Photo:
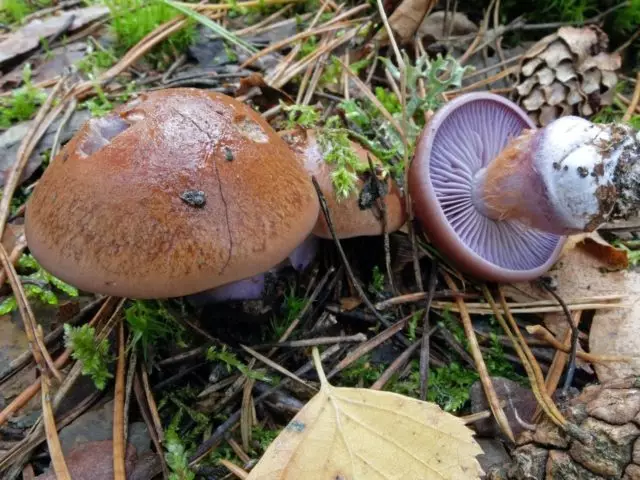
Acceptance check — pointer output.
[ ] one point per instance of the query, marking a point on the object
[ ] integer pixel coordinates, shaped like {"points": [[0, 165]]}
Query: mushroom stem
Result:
{"points": [[568, 177]]}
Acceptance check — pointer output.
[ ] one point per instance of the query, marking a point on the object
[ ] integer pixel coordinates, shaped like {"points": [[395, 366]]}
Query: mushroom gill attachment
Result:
{"points": [[356, 215], [176, 192], [453, 153]]}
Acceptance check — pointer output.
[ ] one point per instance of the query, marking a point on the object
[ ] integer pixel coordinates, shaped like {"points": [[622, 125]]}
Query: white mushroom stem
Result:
{"points": [[568, 177]]}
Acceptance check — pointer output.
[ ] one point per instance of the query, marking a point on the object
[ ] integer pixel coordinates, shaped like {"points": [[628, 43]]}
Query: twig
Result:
{"points": [[24, 151], [371, 97], [395, 366], [545, 335], [233, 468], [53, 441], [305, 309], [55, 147], [246, 414], [151, 402], [382, 206], [358, 337], [528, 359], [369, 345], [419, 296], [634, 101], [119, 447], [392, 39], [221, 430], [146, 416], [276, 367], [481, 367], [574, 337], [424, 349], [345, 261]]}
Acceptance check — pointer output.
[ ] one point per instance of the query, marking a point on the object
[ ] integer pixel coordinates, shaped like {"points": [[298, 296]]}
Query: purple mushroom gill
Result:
{"points": [[459, 143], [252, 288]]}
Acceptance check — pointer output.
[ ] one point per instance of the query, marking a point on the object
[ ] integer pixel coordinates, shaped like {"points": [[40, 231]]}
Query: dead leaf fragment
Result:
{"points": [[406, 19], [437, 27], [353, 434], [584, 270]]}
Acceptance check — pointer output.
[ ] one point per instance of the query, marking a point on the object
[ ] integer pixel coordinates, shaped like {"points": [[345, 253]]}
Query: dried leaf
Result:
{"points": [[584, 269], [436, 28], [617, 332], [269, 96], [350, 303], [406, 18], [353, 433]]}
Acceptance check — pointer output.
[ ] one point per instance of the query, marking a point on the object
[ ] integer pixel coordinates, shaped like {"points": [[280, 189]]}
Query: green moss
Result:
{"points": [[23, 102], [38, 285], [151, 323], [92, 354], [134, 19]]}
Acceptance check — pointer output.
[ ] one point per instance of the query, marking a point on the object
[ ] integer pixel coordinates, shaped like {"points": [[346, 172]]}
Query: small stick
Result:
{"points": [[418, 296], [53, 441], [233, 468], [304, 310], [544, 334], [357, 338], [424, 349], [151, 402], [382, 206], [343, 256], [366, 347], [66, 116], [396, 365], [392, 38], [277, 367], [574, 338], [153, 433], [119, 469], [538, 380], [489, 391], [221, 430]]}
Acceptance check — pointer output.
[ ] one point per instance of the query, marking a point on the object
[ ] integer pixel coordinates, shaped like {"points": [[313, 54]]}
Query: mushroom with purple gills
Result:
{"points": [[176, 192], [498, 197], [357, 215]]}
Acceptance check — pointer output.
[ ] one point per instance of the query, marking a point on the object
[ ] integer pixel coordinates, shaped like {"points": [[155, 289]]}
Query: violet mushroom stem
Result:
{"points": [[253, 288], [565, 178]]}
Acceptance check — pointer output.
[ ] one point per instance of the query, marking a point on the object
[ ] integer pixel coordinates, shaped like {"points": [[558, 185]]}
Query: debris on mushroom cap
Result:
{"points": [[357, 215], [455, 148], [146, 202]]}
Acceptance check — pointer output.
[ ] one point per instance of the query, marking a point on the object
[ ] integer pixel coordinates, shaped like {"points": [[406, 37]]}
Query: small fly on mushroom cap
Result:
{"points": [[498, 196], [355, 216], [174, 193]]}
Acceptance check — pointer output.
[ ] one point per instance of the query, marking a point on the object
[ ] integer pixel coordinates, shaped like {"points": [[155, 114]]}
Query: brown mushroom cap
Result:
{"points": [[349, 220], [177, 192]]}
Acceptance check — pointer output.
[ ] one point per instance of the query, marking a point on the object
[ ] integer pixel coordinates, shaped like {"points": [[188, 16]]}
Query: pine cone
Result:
{"points": [[569, 72], [610, 416]]}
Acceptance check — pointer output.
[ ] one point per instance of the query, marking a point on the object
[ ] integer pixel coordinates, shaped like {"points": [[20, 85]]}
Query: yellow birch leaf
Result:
{"points": [[362, 434]]}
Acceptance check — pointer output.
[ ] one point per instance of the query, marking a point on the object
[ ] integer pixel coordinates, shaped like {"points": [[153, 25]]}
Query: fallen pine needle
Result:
{"points": [[119, 470], [481, 367]]}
